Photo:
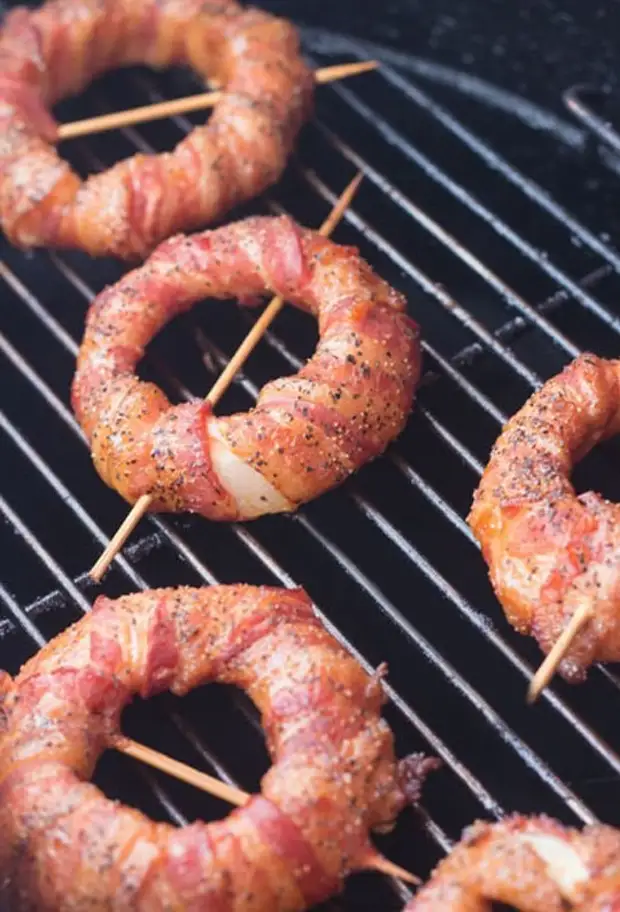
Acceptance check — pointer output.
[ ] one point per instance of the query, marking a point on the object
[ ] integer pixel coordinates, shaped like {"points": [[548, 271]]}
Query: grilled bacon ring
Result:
{"points": [[549, 550], [533, 864], [307, 433], [65, 846], [59, 48]]}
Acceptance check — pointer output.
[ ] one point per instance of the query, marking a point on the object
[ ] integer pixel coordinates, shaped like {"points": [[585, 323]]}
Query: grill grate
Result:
{"points": [[388, 557], [583, 101]]}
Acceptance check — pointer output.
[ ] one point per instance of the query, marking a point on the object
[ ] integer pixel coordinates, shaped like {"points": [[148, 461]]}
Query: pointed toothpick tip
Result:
{"points": [[344, 70], [100, 567], [351, 190], [341, 205], [557, 654], [374, 861]]}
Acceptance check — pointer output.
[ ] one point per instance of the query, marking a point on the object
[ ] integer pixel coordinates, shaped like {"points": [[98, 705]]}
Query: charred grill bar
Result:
{"points": [[509, 279]]}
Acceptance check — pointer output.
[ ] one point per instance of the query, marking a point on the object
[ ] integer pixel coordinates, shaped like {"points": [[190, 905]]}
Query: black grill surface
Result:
{"points": [[499, 220]]}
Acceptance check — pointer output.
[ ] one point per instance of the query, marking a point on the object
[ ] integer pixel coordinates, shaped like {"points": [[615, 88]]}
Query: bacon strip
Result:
{"points": [[307, 433], [550, 550], [535, 865], [66, 846], [56, 50]]}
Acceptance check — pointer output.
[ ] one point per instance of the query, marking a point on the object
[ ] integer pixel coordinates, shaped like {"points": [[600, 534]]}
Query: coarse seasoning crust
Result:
{"points": [[54, 51], [549, 550], [531, 864], [307, 433], [65, 847]]}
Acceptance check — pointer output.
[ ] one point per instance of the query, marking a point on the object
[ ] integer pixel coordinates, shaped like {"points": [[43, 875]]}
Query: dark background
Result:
{"points": [[535, 48]]}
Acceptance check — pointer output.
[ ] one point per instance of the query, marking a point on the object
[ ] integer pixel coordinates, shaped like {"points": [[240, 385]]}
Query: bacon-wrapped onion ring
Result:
{"points": [[56, 50], [307, 433], [65, 846], [532, 864], [549, 550]]}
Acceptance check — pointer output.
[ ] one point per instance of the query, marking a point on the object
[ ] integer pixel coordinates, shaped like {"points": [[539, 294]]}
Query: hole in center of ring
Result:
{"points": [[598, 471], [234, 748], [121, 90], [190, 354]]}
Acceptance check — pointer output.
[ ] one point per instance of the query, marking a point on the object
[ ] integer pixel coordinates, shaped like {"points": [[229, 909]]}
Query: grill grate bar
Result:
{"points": [[55, 570], [66, 496], [495, 161], [21, 617], [517, 325], [453, 442], [456, 247], [577, 99], [457, 190], [50, 322], [450, 370], [55, 598]]}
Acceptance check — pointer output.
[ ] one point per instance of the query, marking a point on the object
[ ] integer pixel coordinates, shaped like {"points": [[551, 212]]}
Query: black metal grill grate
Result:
{"points": [[476, 204]]}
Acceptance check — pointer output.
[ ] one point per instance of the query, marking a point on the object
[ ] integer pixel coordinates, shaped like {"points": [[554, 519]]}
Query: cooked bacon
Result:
{"points": [[532, 864], [334, 778], [307, 433], [56, 50], [549, 550]]}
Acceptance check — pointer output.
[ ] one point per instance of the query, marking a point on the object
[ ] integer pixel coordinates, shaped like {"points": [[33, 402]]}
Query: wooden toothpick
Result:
{"points": [[553, 660], [190, 103], [221, 385], [373, 860], [180, 771]]}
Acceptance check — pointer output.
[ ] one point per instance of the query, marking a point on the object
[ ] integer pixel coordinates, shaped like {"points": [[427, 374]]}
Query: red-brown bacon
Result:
{"points": [[549, 550], [307, 433], [535, 865], [65, 846], [54, 51]]}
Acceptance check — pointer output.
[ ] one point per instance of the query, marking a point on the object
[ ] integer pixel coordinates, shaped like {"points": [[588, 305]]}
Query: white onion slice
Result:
{"points": [[564, 865], [255, 496]]}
